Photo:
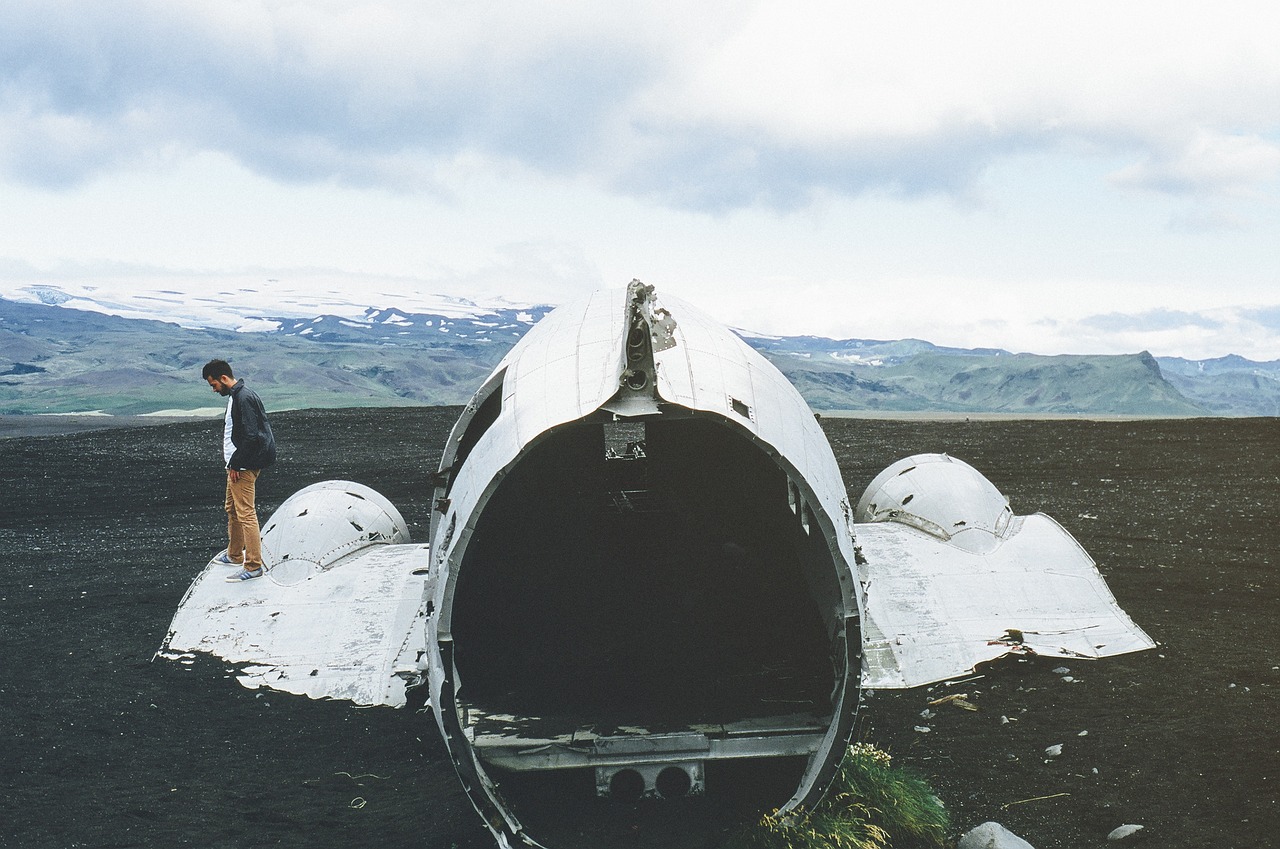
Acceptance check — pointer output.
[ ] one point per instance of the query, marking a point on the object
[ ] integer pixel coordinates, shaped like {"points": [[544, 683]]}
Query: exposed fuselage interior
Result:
{"points": [[645, 577]]}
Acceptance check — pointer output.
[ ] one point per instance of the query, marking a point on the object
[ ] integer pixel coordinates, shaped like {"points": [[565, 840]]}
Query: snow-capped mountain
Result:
{"points": [[273, 305], [394, 345], [393, 325]]}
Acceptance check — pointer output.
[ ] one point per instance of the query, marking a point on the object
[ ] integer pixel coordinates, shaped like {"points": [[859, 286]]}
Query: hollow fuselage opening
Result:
{"points": [[645, 578], [673, 584]]}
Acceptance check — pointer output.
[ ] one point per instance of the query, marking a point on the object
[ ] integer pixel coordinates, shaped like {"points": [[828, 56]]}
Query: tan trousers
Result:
{"points": [[242, 520]]}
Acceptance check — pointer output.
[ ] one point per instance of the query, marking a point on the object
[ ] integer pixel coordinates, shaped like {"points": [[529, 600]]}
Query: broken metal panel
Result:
{"points": [[933, 610], [340, 633], [951, 578], [524, 744]]}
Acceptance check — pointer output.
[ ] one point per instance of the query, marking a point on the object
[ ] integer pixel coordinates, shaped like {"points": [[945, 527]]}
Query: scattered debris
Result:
{"points": [[991, 835], [960, 700], [1008, 805], [356, 778], [1124, 831]]}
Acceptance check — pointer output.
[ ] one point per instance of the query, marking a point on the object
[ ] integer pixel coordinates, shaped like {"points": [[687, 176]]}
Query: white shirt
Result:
{"points": [[228, 447]]}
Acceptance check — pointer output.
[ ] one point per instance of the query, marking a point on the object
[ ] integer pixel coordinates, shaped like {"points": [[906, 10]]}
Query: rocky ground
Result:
{"points": [[102, 746]]}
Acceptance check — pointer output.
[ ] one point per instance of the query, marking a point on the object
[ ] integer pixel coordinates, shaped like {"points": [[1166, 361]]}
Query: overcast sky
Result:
{"points": [[1048, 177]]}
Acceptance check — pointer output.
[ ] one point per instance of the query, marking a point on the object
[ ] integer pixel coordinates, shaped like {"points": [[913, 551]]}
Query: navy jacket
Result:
{"points": [[250, 431]]}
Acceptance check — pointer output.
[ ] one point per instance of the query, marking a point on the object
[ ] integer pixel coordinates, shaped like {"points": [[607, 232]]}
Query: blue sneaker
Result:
{"points": [[224, 559], [245, 575]]}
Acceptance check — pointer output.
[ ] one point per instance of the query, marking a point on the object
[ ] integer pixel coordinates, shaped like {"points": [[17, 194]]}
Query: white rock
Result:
{"points": [[923, 729], [991, 835], [1068, 679], [1053, 751], [1061, 670], [1083, 734], [1124, 831]]}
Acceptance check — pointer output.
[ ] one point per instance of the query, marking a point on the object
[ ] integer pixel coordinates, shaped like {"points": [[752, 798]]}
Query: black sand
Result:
{"points": [[100, 746]]}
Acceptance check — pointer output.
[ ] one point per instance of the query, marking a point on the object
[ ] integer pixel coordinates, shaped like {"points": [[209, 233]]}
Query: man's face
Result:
{"points": [[220, 384]]}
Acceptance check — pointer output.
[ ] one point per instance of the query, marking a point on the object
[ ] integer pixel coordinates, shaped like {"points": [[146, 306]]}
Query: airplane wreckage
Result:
{"points": [[644, 567]]}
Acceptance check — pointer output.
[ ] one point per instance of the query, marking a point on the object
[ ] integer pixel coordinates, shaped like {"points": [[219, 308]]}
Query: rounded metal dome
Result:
{"points": [[322, 523], [941, 496]]}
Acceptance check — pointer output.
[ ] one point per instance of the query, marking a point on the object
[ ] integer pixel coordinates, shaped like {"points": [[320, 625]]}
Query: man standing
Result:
{"points": [[248, 447]]}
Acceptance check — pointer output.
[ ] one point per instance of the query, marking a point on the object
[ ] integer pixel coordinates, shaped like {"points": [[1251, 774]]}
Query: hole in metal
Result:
{"points": [[637, 379], [627, 785], [636, 342], [673, 782]]}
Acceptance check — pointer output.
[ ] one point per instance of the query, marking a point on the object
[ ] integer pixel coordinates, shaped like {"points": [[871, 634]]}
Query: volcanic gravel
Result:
{"points": [[101, 745]]}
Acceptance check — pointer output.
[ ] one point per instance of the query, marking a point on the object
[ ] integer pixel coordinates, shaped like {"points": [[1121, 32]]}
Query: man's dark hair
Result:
{"points": [[216, 369]]}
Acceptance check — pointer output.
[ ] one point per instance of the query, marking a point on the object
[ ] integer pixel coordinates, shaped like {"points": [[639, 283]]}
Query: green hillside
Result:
{"points": [[55, 360], [998, 383], [58, 360]]}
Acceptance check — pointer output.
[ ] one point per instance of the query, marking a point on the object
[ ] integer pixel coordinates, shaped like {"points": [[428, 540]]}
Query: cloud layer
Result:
{"points": [[738, 104]]}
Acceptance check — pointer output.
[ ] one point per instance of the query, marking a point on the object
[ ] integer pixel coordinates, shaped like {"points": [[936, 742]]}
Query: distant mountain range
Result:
{"points": [[58, 359]]}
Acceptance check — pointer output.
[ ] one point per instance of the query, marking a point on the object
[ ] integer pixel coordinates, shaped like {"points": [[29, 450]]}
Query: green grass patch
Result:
{"points": [[871, 805]]}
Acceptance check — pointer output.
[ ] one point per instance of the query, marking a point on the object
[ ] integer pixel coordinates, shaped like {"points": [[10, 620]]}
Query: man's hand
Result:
{"points": [[234, 475]]}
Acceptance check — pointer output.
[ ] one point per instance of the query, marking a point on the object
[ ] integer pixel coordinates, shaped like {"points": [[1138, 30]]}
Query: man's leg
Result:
{"points": [[235, 533], [242, 493]]}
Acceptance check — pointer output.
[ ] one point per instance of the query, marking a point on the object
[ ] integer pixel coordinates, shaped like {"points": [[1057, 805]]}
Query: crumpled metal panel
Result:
{"points": [[951, 580]]}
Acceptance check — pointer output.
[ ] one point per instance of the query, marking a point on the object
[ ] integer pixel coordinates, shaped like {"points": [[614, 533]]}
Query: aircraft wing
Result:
{"points": [[944, 592], [339, 618]]}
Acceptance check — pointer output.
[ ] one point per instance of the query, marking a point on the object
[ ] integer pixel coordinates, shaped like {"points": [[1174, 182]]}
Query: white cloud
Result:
{"points": [[736, 104], [1207, 163]]}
